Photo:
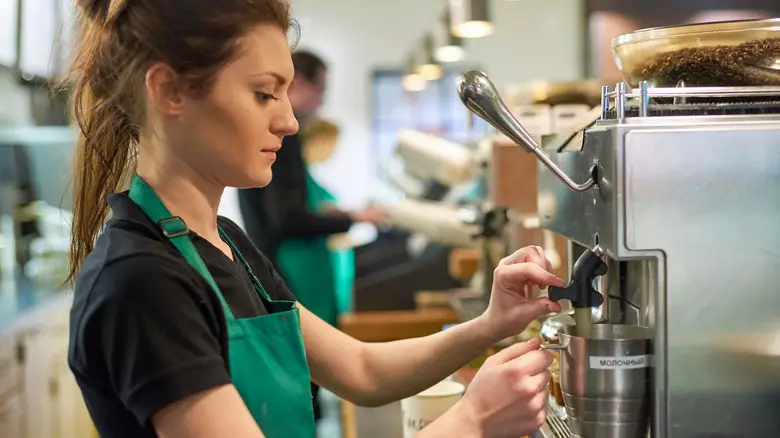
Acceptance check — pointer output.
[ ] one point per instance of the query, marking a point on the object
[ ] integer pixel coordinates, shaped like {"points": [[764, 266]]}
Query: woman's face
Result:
{"points": [[231, 135]]}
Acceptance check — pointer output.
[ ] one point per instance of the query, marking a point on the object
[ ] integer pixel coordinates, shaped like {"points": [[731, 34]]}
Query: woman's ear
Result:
{"points": [[164, 90]]}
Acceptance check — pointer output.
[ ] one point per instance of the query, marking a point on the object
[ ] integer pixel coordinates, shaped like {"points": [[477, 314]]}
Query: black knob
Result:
{"points": [[580, 290]]}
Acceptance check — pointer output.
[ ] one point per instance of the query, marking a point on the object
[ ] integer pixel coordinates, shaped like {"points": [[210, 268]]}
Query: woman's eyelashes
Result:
{"points": [[265, 97]]}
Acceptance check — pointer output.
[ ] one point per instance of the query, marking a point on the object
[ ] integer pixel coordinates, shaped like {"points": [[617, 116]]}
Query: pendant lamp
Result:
{"points": [[427, 66], [470, 18], [412, 80], [448, 47]]}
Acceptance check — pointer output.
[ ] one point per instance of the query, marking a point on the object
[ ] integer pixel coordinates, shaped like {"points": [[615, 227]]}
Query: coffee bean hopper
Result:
{"points": [[671, 203]]}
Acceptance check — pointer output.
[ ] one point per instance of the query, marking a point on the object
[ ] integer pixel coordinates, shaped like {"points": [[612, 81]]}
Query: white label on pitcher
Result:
{"points": [[620, 362]]}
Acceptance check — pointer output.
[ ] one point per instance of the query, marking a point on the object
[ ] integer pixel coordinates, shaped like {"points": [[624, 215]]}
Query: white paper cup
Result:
{"points": [[422, 409]]}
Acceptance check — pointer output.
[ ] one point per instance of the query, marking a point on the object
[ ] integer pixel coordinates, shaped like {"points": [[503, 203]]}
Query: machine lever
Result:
{"points": [[580, 290], [481, 97]]}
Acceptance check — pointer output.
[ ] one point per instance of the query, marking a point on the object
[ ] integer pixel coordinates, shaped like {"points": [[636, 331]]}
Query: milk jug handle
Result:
{"points": [[564, 344]]}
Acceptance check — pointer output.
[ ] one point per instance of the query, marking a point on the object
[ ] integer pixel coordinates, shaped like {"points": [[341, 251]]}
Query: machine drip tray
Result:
{"points": [[556, 426]]}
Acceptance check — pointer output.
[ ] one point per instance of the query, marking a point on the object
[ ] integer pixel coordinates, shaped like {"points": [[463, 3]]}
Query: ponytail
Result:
{"points": [[105, 152], [120, 40]]}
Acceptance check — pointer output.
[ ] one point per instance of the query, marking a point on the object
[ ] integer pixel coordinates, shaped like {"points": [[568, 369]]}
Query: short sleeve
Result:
{"points": [[154, 333]]}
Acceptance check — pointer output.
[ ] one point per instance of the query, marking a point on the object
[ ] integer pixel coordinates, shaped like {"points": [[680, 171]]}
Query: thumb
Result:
{"points": [[516, 350]]}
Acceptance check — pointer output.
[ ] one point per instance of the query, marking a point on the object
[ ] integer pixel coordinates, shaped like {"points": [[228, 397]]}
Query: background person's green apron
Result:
{"points": [[267, 357], [320, 278]]}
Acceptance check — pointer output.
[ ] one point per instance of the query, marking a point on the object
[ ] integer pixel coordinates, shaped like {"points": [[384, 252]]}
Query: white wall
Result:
{"points": [[14, 100], [533, 40]]}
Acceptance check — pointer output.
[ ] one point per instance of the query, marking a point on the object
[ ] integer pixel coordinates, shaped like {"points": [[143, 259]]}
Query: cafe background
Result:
{"points": [[366, 49]]}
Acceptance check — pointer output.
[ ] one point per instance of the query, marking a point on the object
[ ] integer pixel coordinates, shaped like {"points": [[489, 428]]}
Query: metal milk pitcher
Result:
{"points": [[605, 379]]}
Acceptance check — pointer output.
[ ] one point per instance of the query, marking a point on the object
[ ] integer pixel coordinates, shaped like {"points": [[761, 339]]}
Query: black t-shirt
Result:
{"points": [[146, 329]]}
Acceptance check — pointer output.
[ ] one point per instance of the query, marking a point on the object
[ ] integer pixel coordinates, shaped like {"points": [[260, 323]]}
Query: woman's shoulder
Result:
{"points": [[142, 321], [133, 272], [132, 268]]}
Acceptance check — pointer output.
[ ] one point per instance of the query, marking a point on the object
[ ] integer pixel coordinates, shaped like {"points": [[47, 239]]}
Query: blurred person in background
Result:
{"points": [[279, 211], [319, 142], [292, 218], [179, 326]]}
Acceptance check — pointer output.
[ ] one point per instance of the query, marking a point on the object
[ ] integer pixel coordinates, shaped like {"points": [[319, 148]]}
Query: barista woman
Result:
{"points": [[180, 327]]}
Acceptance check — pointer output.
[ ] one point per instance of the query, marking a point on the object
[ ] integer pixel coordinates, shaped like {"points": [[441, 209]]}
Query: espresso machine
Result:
{"points": [[671, 203]]}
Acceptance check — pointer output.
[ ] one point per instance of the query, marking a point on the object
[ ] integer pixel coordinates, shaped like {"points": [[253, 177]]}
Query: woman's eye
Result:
{"points": [[265, 97]]}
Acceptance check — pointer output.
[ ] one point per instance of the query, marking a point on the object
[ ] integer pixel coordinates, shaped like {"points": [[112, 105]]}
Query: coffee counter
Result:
{"points": [[39, 397]]}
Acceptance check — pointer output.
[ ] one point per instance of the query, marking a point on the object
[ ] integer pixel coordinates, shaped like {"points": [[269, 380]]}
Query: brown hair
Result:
{"points": [[120, 41], [319, 140], [308, 65]]}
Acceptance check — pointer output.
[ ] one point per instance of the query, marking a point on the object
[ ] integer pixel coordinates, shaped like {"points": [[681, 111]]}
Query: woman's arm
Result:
{"points": [[373, 374], [215, 413], [458, 421]]}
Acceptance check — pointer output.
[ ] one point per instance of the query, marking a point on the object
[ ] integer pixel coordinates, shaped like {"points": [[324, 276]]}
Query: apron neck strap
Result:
{"points": [[174, 228]]}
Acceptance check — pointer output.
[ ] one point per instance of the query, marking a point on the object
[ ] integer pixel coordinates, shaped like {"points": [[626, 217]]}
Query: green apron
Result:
{"points": [[267, 357], [320, 278]]}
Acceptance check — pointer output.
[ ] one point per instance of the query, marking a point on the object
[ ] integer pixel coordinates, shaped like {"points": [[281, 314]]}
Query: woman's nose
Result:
{"points": [[286, 123]]}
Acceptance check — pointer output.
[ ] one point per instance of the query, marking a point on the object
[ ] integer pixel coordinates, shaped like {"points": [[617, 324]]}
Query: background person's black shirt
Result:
{"points": [[146, 329], [278, 211]]}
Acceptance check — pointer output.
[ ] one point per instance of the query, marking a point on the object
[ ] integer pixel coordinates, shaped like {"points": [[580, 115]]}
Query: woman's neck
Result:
{"points": [[185, 192]]}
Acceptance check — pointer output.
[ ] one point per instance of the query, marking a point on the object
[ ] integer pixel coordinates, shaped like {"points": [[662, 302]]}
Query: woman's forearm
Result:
{"points": [[459, 421], [403, 368]]}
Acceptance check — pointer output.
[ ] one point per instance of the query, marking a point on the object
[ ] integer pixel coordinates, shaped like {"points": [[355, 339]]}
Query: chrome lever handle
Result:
{"points": [[480, 97]]}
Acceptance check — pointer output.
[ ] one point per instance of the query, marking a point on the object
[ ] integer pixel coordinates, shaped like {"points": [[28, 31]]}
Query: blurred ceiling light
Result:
{"points": [[413, 81], [470, 18], [427, 66], [449, 48]]}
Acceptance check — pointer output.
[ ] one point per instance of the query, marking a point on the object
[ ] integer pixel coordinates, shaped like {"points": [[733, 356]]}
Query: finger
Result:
{"points": [[538, 307], [534, 404], [536, 256], [521, 273], [526, 254], [534, 363], [539, 251], [516, 350], [545, 261], [544, 380], [542, 261], [539, 402], [528, 291], [546, 305], [541, 418]]}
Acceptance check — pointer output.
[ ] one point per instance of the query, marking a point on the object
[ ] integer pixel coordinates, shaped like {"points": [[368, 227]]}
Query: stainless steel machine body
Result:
{"points": [[688, 207], [684, 201]]}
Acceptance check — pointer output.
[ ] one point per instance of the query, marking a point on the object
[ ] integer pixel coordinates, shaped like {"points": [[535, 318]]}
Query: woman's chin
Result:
{"points": [[263, 178], [255, 179]]}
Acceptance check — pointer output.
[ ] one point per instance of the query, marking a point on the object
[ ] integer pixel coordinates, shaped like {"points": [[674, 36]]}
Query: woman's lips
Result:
{"points": [[271, 152]]}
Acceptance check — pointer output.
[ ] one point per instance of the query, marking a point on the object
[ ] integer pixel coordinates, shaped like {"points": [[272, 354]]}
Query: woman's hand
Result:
{"points": [[508, 396], [511, 307], [371, 214]]}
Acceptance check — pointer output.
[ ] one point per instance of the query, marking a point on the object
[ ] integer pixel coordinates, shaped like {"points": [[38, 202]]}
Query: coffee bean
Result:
{"points": [[746, 64]]}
